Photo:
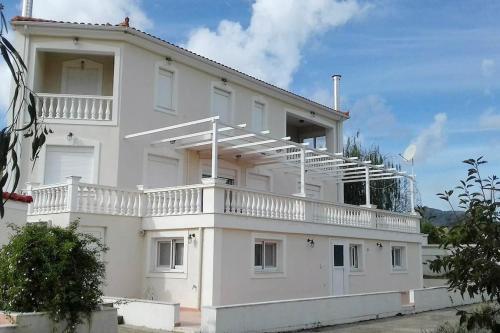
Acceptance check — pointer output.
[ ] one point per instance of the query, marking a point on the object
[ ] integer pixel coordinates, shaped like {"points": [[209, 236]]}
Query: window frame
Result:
{"points": [[164, 66], [279, 271], [402, 268], [359, 257], [264, 267], [172, 266]]}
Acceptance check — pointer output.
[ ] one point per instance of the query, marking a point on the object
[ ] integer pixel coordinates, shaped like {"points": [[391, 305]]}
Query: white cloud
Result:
{"points": [[270, 47], [489, 119], [93, 11], [488, 67], [431, 139], [373, 117]]}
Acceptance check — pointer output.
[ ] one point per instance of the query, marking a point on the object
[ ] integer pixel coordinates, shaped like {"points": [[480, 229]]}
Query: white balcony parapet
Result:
{"points": [[210, 198], [74, 107], [180, 200]]}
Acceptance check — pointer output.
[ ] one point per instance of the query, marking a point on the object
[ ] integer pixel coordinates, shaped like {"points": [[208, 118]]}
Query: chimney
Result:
{"points": [[336, 92], [27, 8]]}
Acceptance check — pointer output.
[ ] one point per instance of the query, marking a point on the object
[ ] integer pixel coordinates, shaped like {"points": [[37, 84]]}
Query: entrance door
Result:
{"points": [[339, 269]]}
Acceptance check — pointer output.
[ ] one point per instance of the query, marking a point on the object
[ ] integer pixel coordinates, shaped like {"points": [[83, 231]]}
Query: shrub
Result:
{"points": [[54, 270]]}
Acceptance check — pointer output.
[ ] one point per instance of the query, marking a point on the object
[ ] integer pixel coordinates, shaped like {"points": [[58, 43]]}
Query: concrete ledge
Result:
{"points": [[299, 314], [435, 298], [102, 321], [146, 313]]}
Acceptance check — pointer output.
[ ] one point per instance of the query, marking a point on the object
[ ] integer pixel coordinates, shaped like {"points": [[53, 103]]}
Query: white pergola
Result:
{"points": [[217, 139]]}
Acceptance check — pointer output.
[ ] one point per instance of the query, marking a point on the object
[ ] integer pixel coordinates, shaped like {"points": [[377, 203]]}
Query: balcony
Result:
{"points": [[75, 88], [78, 197]]}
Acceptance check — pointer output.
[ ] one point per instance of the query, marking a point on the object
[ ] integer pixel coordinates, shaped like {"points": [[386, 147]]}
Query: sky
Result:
{"points": [[423, 73]]}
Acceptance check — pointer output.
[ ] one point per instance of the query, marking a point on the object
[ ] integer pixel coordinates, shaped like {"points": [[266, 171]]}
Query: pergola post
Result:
{"points": [[367, 187], [215, 161], [412, 194], [302, 172]]}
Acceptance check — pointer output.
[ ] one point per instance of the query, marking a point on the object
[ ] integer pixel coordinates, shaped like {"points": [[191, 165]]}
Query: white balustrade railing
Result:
{"points": [[108, 200], [185, 200], [180, 200], [74, 107], [259, 204], [49, 199]]}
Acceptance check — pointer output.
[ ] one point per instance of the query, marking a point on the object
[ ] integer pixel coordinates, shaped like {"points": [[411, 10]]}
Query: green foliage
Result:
{"points": [[23, 113], [484, 311], [388, 194], [473, 265], [52, 269]]}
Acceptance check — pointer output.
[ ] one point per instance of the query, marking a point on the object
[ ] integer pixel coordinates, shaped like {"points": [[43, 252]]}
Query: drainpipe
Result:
{"points": [[200, 266], [27, 8]]}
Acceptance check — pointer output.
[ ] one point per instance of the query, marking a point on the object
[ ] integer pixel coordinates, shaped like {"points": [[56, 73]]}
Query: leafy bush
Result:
{"points": [[473, 265], [54, 270]]}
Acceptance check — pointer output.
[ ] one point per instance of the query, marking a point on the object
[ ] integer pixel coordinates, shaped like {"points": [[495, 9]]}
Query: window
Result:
{"points": [[355, 257], [398, 258], [221, 104], [81, 77], [316, 142], [64, 161], [169, 254], [266, 255], [164, 91], [259, 116]]}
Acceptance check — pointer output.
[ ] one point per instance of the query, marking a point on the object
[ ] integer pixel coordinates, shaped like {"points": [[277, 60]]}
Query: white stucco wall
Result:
{"points": [[15, 213]]}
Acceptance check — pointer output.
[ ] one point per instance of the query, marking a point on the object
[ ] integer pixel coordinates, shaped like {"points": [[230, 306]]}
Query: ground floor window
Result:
{"points": [[169, 254], [266, 255], [355, 257], [398, 258]]}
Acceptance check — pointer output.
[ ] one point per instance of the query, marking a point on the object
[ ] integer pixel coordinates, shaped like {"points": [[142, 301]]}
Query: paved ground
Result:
{"points": [[404, 324], [421, 322]]}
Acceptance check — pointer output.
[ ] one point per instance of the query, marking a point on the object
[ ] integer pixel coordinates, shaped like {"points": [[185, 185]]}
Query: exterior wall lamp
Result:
{"points": [[379, 245], [224, 80], [310, 242], [69, 137], [191, 237]]}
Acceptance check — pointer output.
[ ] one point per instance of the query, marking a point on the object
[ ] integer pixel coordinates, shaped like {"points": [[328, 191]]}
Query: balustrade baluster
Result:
{"points": [[100, 112], [51, 108], [58, 107], [198, 200], [181, 201], [176, 202], [193, 202], [187, 209], [93, 109], [108, 110]]}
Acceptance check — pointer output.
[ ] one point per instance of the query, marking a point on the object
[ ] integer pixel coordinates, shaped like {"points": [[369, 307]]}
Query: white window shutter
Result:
{"points": [[221, 104], [64, 161], [161, 172], [164, 90], [258, 116]]}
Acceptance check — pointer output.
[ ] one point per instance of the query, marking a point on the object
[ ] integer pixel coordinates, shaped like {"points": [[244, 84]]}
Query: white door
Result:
{"points": [[161, 172], [64, 161], [258, 182], [339, 269]]}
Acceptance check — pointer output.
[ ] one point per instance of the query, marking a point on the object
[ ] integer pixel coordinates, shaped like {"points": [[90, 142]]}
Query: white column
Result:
{"points": [[72, 182], [367, 186], [215, 161], [302, 173]]}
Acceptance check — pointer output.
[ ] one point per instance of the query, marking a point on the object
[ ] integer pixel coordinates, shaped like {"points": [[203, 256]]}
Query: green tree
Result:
{"points": [[388, 194], [23, 117], [52, 269], [434, 233], [473, 266]]}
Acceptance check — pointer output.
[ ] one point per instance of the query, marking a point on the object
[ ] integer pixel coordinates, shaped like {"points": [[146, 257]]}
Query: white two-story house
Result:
{"points": [[209, 186]]}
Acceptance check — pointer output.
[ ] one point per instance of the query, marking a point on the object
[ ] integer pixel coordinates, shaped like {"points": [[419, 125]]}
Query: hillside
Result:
{"points": [[441, 217]]}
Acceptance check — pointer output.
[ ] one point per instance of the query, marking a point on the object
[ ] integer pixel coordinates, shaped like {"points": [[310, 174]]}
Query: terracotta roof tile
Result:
{"points": [[126, 25]]}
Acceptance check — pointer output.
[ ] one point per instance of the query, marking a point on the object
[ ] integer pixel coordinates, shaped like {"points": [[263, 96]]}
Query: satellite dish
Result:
{"points": [[410, 152]]}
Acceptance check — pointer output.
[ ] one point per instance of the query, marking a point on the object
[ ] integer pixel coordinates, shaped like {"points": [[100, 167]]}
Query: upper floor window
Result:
{"points": [[221, 104], [259, 116], [316, 142], [64, 161], [164, 98]]}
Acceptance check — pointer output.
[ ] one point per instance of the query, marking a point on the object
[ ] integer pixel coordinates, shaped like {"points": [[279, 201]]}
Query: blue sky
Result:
{"points": [[422, 72]]}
